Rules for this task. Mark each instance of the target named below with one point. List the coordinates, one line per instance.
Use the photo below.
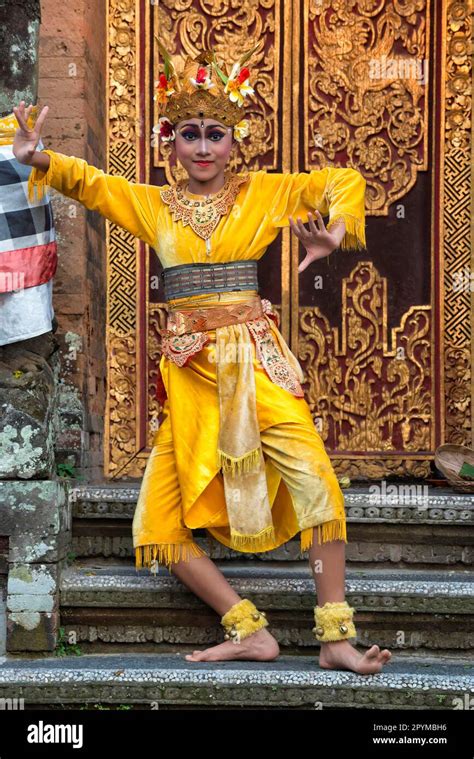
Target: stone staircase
(410, 577)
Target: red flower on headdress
(165, 129)
(163, 89)
(203, 79)
(201, 76)
(243, 76)
(238, 86)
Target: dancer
(237, 451)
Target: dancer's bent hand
(26, 139)
(317, 241)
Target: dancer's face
(203, 140)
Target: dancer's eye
(214, 136)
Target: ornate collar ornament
(202, 215)
(203, 89)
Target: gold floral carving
(378, 469)
(457, 240)
(366, 393)
(120, 434)
(365, 92)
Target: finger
(294, 227)
(42, 116)
(304, 263)
(320, 221)
(298, 234)
(313, 228)
(302, 228)
(19, 117)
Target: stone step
(406, 610)
(155, 681)
(429, 529)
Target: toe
(195, 656)
(373, 652)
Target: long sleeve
(130, 205)
(337, 192)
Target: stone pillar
(35, 515)
(35, 519)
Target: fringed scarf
(239, 448)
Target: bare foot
(260, 646)
(340, 654)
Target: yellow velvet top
(261, 209)
(194, 391)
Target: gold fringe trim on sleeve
(39, 181)
(239, 465)
(250, 543)
(335, 529)
(354, 236)
(165, 553)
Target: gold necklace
(204, 215)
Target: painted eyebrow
(209, 126)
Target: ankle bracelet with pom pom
(334, 622)
(242, 620)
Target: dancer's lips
(203, 163)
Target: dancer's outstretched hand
(26, 139)
(318, 242)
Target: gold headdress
(203, 89)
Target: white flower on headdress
(165, 129)
(241, 130)
(238, 85)
(203, 79)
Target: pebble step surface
(167, 681)
(111, 604)
(450, 591)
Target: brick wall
(72, 70)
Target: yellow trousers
(297, 467)
(183, 487)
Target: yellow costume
(182, 488)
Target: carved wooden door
(382, 335)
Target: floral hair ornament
(165, 129)
(203, 79)
(241, 130)
(163, 89)
(203, 89)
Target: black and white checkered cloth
(26, 229)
